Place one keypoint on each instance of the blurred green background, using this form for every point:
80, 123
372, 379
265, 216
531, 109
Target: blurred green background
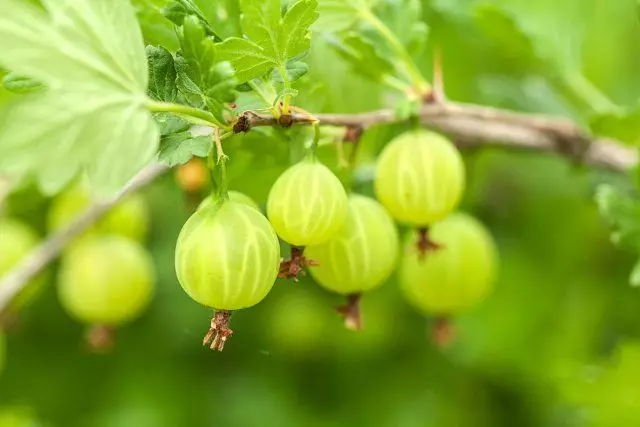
552, 346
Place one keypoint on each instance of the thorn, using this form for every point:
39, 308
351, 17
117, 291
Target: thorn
437, 94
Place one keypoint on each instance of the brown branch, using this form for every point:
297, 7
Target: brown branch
16, 279
469, 125
475, 126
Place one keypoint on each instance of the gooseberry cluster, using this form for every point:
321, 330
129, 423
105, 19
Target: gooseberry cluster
228, 252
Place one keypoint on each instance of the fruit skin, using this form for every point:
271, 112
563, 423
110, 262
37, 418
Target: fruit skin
455, 277
106, 280
227, 256
420, 177
307, 204
17, 240
362, 255
236, 196
130, 218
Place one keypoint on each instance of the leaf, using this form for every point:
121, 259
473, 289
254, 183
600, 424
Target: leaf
169, 123
363, 56
622, 212
179, 148
550, 44
156, 29
90, 56
623, 125
107, 135
20, 84
404, 18
295, 34
247, 58
295, 69
339, 15
272, 39
200, 71
162, 74
178, 10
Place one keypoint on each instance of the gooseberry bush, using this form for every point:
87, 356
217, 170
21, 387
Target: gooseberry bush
98, 89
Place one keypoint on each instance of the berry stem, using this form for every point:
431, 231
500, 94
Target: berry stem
219, 331
218, 168
443, 332
351, 312
424, 243
100, 338
293, 267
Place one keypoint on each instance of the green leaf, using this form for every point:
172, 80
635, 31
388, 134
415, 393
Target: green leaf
363, 56
622, 212
623, 125
200, 72
295, 69
523, 34
162, 74
247, 58
271, 39
179, 10
90, 56
156, 29
20, 84
404, 18
179, 148
338, 15
168, 123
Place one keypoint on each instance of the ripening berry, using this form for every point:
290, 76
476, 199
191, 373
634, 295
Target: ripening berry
420, 177
227, 258
307, 204
236, 196
362, 254
130, 218
456, 277
16, 241
193, 176
106, 280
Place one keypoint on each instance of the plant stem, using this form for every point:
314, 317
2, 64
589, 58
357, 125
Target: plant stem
287, 86
194, 115
264, 97
219, 167
316, 139
588, 93
416, 77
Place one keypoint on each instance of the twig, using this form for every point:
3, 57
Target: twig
469, 125
474, 125
13, 282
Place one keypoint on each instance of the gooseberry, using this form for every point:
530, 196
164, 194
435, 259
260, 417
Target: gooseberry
236, 196
227, 258
420, 177
307, 204
106, 280
361, 255
456, 277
